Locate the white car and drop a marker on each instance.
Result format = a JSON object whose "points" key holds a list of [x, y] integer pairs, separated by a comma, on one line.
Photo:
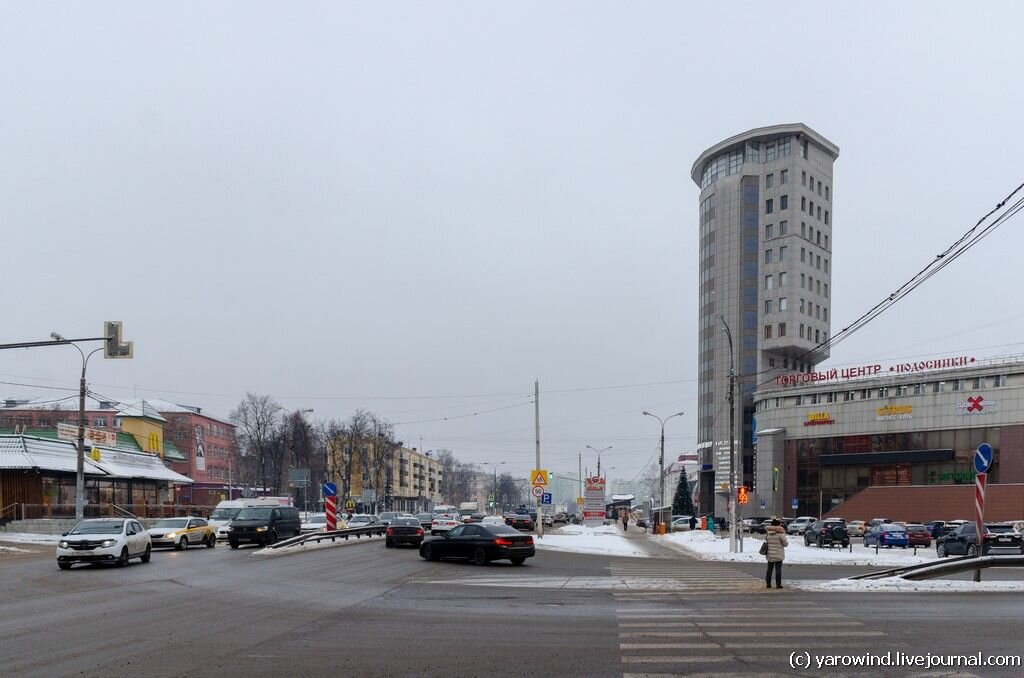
{"points": [[104, 540], [444, 522], [313, 522], [800, 525], [493, 520]]}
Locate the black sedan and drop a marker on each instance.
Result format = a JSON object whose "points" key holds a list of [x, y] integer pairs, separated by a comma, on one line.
{"points": [[403, 531], [520, 521], [479, 543]]}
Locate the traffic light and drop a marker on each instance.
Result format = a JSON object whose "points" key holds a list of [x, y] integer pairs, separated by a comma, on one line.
{"points": [[741, 494], [115, 347]]}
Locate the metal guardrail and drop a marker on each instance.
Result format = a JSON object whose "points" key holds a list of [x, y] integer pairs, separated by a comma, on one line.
{"points": [[333, 535], [947, 567]]}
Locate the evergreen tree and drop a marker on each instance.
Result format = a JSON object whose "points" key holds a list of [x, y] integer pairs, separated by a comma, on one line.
{"points": [[682, 503]]}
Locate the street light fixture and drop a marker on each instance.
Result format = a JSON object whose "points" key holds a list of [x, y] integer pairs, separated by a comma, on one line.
{"points": [[661, 458], [603, 449]]}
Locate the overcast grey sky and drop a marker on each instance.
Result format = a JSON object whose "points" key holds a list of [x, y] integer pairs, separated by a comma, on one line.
{"points": [[349, 205]]}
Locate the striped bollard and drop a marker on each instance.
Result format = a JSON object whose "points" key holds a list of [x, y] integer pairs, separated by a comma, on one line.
{"points": [[331, 507], [979, 505]]}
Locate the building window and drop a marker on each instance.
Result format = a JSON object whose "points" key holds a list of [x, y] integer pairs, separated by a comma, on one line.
{"points": [[803, 204], [803, 229], [767, 306], [826, 266], [803, 178], [817, 264], [783, 227], [826, 290], [826, 217], [883, 392], [783, 147], [810, 233], [824, 314], [99, 422], [771, 363], [768, 206], [767, 331], [817, 238], [768, 282], [817, 284], [782, 253], [826, 238], [810, 207], [802, 279], [768, 231], [958, 384], [783, 305], [801, 330], [976, 383], [769, 152], [817, 336], [784, 202], [784, 177], [803, 149], [819, 187], [801, 305], [819, 212], [998, 381], [769, 180], [767, 256], [826, 193], [938, 387], [817, 311], [782, 329], [783, 279], [803, 255]]}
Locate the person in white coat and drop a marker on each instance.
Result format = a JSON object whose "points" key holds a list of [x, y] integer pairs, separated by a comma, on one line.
{"points": [[775, 538]]}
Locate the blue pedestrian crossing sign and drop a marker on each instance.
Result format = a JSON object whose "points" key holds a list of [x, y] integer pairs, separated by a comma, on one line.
{"points": [[545, 498], [983, 458]]}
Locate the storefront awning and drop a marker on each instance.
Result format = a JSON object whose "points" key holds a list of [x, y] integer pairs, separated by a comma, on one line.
{"points": [[43, 454], [885, 458]]}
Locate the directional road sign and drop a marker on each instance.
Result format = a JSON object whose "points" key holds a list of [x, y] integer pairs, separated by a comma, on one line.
{"points": [[983, 458], [545, 498], [330, 490], [537, 491]]}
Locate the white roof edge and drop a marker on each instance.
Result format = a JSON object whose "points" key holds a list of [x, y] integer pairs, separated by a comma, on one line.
{"points": [[769, 431], [771, 130]]}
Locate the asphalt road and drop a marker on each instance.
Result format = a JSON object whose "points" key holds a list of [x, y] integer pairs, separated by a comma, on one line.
{"points": [[363, 610]]}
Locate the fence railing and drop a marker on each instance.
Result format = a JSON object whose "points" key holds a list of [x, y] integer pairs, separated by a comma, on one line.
{"points": [[67, 511], [10, 512]]}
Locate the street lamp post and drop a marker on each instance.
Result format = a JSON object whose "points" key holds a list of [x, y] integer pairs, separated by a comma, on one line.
{"points": [[494, 492], [603, 449], [661, 457], [731, 499], [80, 461]]}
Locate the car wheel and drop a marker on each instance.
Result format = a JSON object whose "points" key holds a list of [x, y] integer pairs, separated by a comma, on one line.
{"points": [[211, 541], [480, 556], [972, 550], [147, 555], [518, 560], [271, 538], [64, 566], [389, 544], [427, 552], [122, 560], [233, 544], [940, 550], [182, 544]]}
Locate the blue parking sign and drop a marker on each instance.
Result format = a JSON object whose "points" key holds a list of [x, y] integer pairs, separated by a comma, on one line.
{"points": [[545, 498], [796, 503]]}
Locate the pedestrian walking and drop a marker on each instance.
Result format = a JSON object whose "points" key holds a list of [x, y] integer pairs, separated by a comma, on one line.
{"points": [[775, 544], [625, 520], [693, 523], [703, 522], [711, 524]]}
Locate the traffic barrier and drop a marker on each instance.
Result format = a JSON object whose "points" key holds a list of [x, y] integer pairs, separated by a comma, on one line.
{"points": [[951, 566], [333, 535]]}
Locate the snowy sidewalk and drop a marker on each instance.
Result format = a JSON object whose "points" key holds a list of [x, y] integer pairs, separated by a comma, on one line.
{"points": [[605, 540]]}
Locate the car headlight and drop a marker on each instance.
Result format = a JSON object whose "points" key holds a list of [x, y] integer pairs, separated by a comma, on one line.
{"points": [[261, 529], [229, 528], [63, 544], [170, 535], [107, 543]]}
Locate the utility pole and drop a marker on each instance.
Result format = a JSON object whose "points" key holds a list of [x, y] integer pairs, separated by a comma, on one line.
{"points": [[731, 499], [579, 459], [536, 430]]}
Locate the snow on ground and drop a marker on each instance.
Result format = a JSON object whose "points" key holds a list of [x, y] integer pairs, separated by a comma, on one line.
{"points": [[14, 549], [898, 585], [706, 546], [29, 538], [315, 546], [605, 540]]}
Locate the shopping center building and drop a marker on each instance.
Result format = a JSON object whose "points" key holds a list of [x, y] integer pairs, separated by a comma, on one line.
{"points": [[823, 437]]}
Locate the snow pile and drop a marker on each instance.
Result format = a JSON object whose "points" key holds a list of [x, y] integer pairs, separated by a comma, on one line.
{"points": [[14, 549], [29, 538], [597, 543], [899, 585], [705, 546], [583, 529]]}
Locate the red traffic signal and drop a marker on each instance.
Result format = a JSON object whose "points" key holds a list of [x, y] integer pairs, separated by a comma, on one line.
{"points": [[741, 495]]}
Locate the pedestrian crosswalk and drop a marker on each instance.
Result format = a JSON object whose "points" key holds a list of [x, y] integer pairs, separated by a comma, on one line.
{"points": [[693, 577]]}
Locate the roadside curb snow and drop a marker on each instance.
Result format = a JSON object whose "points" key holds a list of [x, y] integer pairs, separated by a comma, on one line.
{"points": [[900, 585], [29, 538]]}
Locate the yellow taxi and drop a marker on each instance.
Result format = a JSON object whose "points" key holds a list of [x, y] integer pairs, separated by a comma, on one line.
{"points": [[182, 533]]}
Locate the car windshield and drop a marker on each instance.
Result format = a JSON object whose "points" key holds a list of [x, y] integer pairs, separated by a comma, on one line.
{"points": [[98, 527], [224, 513], [411, 522], [916, 528], [359, 519], [316, 519], [501, 529], [995, 529], [893, 528], [388, 515], [259, 513], [171, 522], [424, 516]]}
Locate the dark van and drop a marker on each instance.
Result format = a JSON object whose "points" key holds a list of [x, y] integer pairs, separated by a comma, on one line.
{"points": [[263, 525]]}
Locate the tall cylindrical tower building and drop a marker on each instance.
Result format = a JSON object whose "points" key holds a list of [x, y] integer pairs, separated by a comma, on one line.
{"points": [[765, 231]]}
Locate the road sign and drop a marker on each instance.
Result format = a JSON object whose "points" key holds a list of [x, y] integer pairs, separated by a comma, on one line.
{"points": [[796, 503], [983, 458], [537, 491], [330, 490], [580, 501], [538, 476], [545, 498], [764, 504]]}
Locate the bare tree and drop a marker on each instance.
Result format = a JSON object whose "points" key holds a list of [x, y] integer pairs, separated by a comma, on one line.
{"points": [[255, 421]]}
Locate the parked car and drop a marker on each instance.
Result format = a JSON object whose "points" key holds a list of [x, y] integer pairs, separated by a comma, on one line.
{"points": [[831, 532], [748, 524], [936, 528], [918, 535], [878, 521], [547, 521], [317, 522], [887, 535], [681, 524], [999, 539], [560, 517], [762, 527], [479, 543], [104, 540], [403, 531], [263, 525], [444, 522], [856, 528], [800, 525], [182, 532], [520, 521]]}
